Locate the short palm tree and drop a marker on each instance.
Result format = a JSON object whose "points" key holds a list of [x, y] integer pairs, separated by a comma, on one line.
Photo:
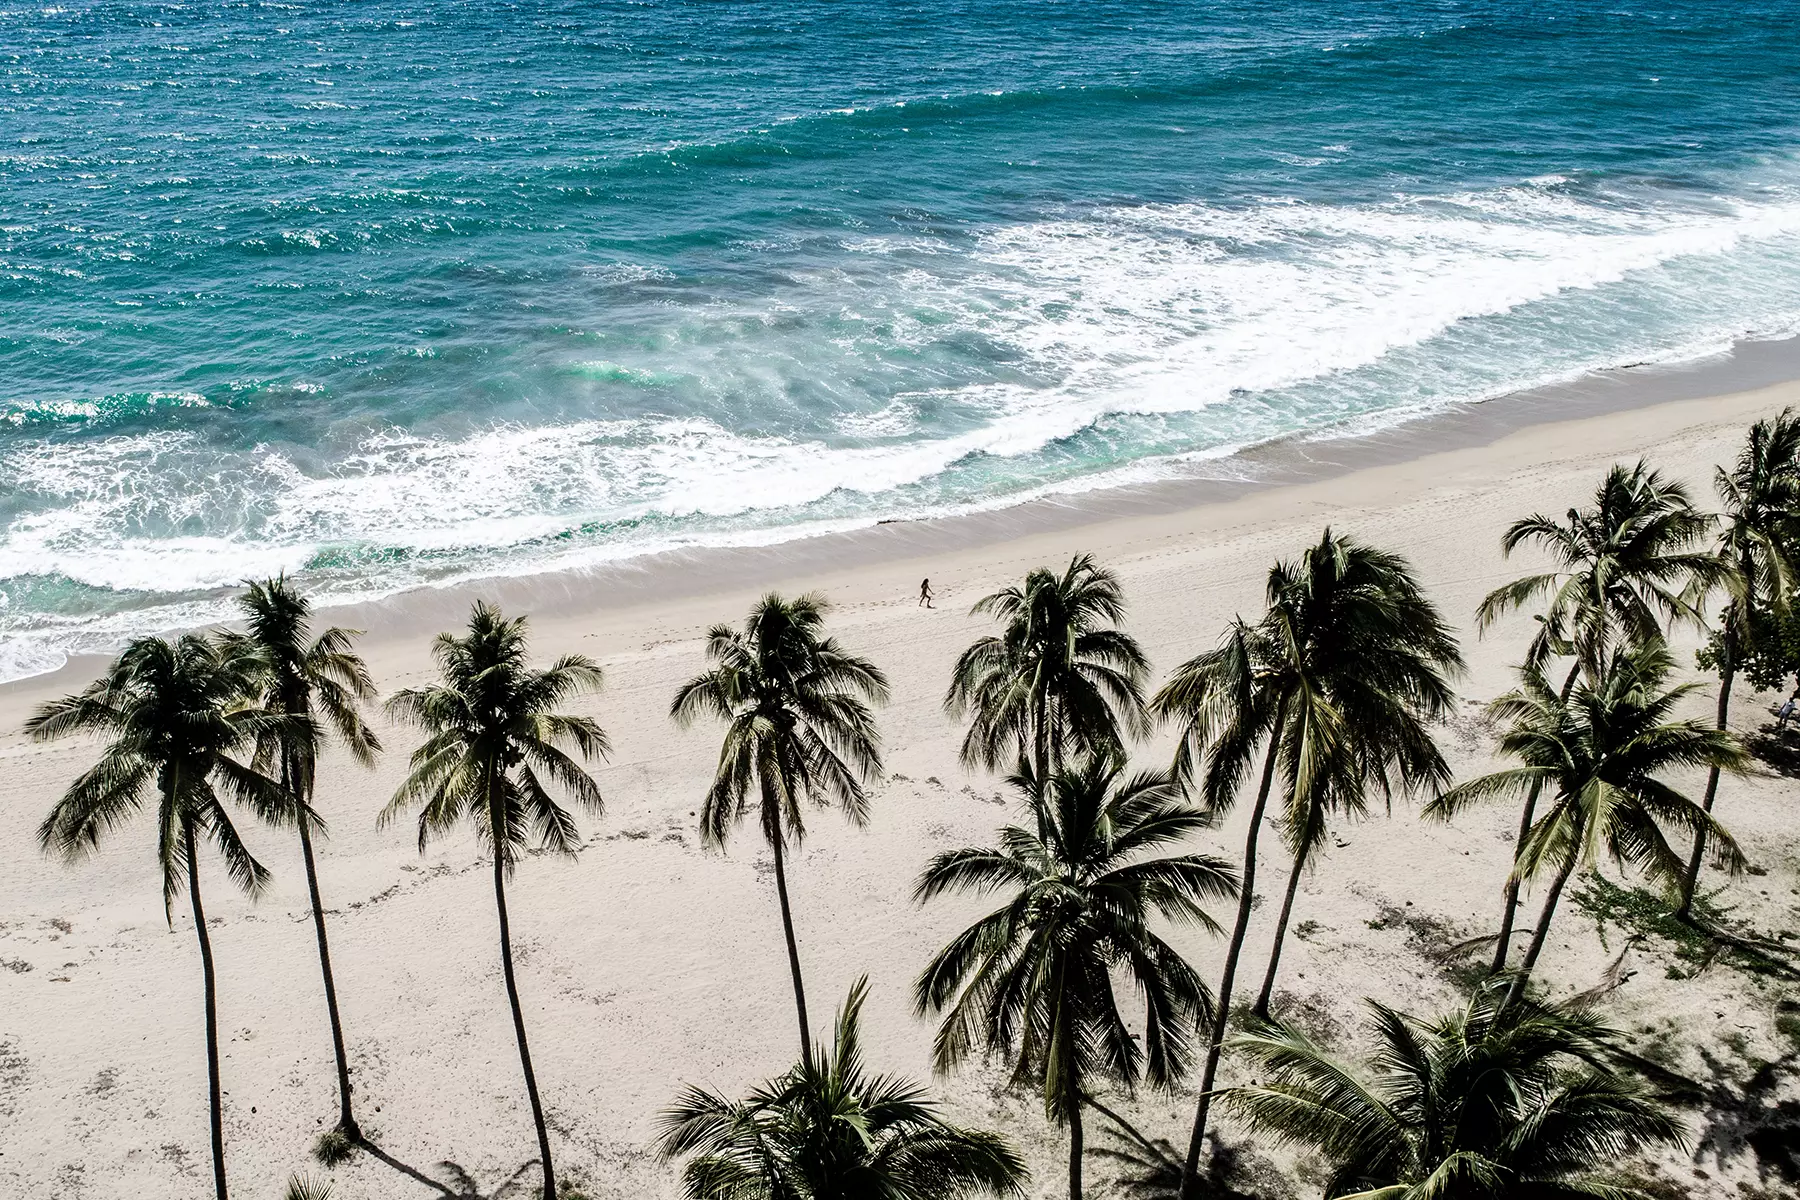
{"points": [[798, 727], [1760, 496], [1601, 754], [1491, 1102], [494, 741], [176, 715], [828, 1130], [1059, 679], [295, 673], [1033, 979], [1336, 682], [1623, 567]]}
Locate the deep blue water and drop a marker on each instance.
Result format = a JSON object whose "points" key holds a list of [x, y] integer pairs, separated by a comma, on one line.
{"points": [[396, 293]]}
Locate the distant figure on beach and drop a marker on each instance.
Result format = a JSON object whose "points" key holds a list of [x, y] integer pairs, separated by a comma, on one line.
{"points": [[1787, 710], [925, 594]]}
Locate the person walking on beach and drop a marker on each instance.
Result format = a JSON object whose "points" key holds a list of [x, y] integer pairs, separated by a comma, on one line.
{"points": [[1787, 710], [925, 594]]}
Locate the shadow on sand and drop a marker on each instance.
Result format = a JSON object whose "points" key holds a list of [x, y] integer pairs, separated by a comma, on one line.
{"points": [[457, 1183]]}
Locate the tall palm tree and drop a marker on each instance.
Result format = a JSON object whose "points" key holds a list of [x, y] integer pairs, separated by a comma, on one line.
{"points": [[1623, 567], [799, 726], [1494, 1101], [1601, 754], [1335, 682], [493, 741], [1760, 497], [296, 674], [1059, 679], [1366, 658], [175, 714], [828, 1130], [1033, 978]]}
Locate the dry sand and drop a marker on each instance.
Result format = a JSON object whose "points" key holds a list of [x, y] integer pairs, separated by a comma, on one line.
{"points": [[649, 963]]}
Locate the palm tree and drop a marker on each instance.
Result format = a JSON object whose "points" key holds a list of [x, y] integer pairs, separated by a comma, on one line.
{"points": [[493, 740], [1494, 1101], [1338, 679], [798, 727], [1601, 754], [1365, 657], [828, 1130], [1761, 500], [299, 675], [1623, 567], [1033, 978], [1058, 680], [175, 713]]}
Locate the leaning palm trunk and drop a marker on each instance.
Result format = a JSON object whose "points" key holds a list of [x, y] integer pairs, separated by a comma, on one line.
{"points": [[1526, 816], [1540, 933], [212, 1010], [1281, 924], [793, 949], [518, 1016], [1190, 1173], [1727, 673], [346, 1118]]}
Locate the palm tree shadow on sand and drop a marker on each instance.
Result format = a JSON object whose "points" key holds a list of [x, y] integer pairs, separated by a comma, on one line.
{"points": [[1150, 1169], [461, 1185]]}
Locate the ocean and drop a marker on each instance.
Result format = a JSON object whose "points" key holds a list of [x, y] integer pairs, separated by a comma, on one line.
{"points": [[389, 296]]}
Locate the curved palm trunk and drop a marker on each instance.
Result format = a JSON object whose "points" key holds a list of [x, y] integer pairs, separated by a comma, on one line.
{"points": [[1539, 934], [1190, 1173], [1281, 926], [518, 1016], [1510, 912], [346, 1120], [212, 1010], [793, 950], [1691, 881], [1526, 817]]}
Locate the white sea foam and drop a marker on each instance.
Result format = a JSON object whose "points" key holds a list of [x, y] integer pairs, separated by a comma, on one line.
{"points": [[1144, 312]]}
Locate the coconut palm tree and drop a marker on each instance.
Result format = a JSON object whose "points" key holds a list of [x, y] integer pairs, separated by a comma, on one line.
{"points": [[1494, 1101], [1033, 979], [1623, 567], [799, 727], [1601, 754], [295, 673], [1336, 683], [828, 1130], [1366, 659], [494, 740], [1760, 499], [175, 714], [1059, 679]]}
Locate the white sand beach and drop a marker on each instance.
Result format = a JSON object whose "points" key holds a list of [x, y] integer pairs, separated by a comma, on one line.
{"points": [[649, 963]]}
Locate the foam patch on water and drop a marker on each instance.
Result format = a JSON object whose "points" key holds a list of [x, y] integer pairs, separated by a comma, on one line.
{"points": [[1209, 326]]}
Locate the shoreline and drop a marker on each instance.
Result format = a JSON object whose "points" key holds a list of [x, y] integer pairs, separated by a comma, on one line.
{"points": [[1294, 460]]}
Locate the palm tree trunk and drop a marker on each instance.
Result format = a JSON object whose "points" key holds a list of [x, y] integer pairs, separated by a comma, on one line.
{"points": [[1540, 933], [346, 1120], [793, 950], [518, 1016], [212, 1010], [1526, 817], [1190, 1173], [1691, 881], [1287, 909], [1075, 1150]]}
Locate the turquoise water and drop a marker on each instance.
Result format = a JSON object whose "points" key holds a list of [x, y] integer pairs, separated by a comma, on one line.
{"points": [[390, 295]]}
